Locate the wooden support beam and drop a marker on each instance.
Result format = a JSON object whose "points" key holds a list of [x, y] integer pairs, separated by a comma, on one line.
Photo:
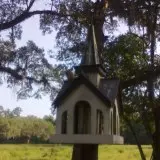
{"points": [[85, 152]]}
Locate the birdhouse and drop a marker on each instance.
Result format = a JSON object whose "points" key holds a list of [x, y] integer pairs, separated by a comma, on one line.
{"points": [[88, 104]]}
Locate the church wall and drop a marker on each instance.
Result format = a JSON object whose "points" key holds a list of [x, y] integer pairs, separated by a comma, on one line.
{"points": [[94, 78], [82, 93]]}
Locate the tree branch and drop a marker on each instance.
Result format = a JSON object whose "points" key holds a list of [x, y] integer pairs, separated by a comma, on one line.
{"points": [[141, 77], [30, 5], [25, 15], [19, 77]]}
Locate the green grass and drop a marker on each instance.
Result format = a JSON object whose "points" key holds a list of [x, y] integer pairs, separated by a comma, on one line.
{"points": [[122, 152], [60, 152]]}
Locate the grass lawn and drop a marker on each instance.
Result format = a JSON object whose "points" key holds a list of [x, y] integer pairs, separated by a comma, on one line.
{"points": [[58, 152]]}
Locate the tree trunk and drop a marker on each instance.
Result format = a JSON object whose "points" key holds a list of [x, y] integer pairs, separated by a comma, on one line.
{"points": [[155, 110], [85, 152], [156, 136]]}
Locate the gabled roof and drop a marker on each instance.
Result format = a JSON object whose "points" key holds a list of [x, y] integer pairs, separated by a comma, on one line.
{"points": [[110, 88], [68, 87], [90, 69]]}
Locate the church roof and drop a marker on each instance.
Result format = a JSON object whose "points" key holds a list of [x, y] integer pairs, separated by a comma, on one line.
{"points": [[104, 92], [110, 88], [90, 69]]}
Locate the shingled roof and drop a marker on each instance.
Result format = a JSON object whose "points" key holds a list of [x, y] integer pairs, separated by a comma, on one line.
{"points": [[105, 92], [109, 88]]}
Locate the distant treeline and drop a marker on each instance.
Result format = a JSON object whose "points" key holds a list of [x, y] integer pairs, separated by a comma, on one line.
{"points": [[17, 129], [30, 129]]}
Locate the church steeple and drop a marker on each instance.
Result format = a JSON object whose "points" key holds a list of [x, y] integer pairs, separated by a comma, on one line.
{"points": [[91, 57], [91, 66]]}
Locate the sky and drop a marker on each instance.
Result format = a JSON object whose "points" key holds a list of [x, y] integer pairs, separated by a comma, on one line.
{"points": [[33, 106], [30, 106], [32, 32]]}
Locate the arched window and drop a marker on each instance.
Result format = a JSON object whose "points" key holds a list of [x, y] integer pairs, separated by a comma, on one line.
{"points": [[100, 122], [114, 120], [64, 122], [82, 119]]}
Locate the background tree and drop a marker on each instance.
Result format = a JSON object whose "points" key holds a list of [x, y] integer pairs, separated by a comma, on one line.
{"points": [[17, 111], [71, 19], [145, 15], [50, 118]]}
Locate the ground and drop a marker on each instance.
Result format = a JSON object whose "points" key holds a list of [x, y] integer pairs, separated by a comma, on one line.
{"points": [[58, 152]]}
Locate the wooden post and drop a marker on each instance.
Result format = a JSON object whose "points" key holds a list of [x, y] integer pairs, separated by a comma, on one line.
{"points": [[90, 151], [85, 152]]}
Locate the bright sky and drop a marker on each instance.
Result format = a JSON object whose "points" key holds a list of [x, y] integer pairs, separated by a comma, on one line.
{"points": [[30, 106]]}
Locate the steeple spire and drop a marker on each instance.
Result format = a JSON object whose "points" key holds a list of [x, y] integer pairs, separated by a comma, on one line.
{"points": [[91, 57]]}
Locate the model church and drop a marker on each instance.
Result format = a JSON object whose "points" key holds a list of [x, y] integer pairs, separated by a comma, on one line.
{"points": [[88, 104]]}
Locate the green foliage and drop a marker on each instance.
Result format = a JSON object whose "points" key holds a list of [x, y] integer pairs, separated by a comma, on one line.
{"points": [[139, 130], [28, 70], [49, 118], [4, 128], [138, 13], [124, 56], [25, 129]]}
